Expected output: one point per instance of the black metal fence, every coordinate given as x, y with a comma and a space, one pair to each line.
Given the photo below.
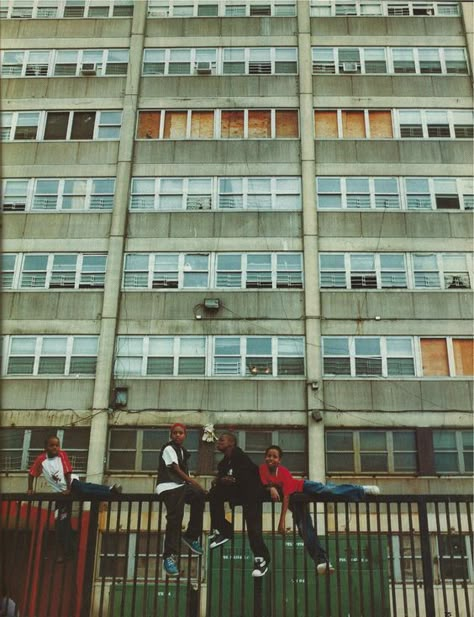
394, 556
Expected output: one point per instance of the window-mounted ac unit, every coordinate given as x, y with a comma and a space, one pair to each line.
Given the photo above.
350, 67
89, 68
158, 12
203, 68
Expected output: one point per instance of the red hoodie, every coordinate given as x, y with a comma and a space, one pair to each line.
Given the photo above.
282, 479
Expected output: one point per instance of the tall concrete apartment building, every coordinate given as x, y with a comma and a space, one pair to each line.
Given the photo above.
250, 214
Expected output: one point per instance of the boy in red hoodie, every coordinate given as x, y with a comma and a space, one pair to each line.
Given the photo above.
279, 481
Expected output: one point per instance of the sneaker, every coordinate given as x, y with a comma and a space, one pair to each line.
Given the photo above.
217, 539
193, 545
170, 566
324, 567
116, 489
260, 567
371, 489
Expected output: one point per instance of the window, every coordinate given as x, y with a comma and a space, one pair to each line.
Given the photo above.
370, 8
449, 124
455, 553
19, 447
394, 193
138, 450
371, 452
353, 124
221, 8
212, 124
251, 356
453, 451
389, 60
54, 271
233, 193
51, 355
214, 270
63, 63
447, 356
54, 9
61, 125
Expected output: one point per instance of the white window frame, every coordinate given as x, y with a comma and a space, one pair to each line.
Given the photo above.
450, 116
168, 8
459, 449
209, 346
37, 355
57, 12
358, 5
340, 132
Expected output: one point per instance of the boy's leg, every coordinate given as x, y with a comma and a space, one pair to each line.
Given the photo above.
89, 489
196, 499
64, 534
253, 519
304, 524
350, 491
174, 501
217, 496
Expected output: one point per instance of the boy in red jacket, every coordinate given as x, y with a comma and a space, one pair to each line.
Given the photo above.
278, 480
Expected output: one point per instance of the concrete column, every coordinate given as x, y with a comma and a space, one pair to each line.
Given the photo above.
468, 22
113, 279
310, 246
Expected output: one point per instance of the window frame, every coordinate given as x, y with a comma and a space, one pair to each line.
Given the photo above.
332, 6
58, 12
168, 8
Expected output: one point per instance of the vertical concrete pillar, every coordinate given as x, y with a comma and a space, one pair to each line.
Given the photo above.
468, 22
310, 247
111, 302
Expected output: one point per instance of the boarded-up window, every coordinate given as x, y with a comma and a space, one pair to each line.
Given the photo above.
149, 125
83, 125
175, 125
380, 124
202, 124
434, 356
463, 356
260, 124
353, 124
325, 124
56, 125
286, 123
232, 124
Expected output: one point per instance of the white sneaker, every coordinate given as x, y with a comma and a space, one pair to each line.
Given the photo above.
371, 489
260, 567
325, 568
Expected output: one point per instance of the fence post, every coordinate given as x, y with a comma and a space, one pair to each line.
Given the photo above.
90, 558
426, 557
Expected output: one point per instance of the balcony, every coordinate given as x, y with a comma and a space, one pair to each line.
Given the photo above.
394, 556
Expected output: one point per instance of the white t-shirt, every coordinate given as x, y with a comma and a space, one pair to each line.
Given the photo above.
169, 457
53, 471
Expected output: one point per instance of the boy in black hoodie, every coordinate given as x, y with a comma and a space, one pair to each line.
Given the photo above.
238, 481
177, 489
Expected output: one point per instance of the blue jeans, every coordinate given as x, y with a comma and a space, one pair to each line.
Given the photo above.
303, 520
89, 489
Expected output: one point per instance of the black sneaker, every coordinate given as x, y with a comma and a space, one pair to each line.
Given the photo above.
260, 567
217, 539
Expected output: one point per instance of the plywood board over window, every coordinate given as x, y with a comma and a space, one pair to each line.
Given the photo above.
83, 125
149, 125
260, 124
434, 355
56, 125
232, 124
464, 356
202, 125
380, 124
286, 123
325, 124
175, 125
353, 124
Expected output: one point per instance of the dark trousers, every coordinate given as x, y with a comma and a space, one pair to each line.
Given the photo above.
175, 501
252, 511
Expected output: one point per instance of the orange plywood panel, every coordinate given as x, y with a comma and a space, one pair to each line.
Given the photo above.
232, 124
380, 124
175, 125
260, 123
202, 124
434, 355
325, 124
148, 125
464, 356
353, 124
287, 123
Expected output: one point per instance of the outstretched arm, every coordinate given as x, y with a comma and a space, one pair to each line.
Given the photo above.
284, 510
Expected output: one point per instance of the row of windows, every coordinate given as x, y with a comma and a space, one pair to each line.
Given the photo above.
395, 271
389, 60
52, 9
239, 193
53, 271
60, 125
397, 356
239, 271
360, 451
239, 124
64, 63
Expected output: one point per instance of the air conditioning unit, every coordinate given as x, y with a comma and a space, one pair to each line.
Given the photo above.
203, 68
89, 68
350, 67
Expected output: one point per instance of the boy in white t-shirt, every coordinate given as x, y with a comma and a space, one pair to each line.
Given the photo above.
56, 468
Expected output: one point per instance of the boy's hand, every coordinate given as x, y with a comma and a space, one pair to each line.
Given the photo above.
228, 480
281, 528
30, 491
274, 494
66, 492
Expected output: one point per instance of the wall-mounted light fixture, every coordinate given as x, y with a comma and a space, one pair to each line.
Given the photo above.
212, 304
120, 397
317, 415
